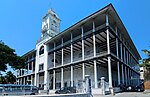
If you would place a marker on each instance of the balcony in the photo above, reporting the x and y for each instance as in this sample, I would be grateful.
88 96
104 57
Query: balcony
43 38
44 29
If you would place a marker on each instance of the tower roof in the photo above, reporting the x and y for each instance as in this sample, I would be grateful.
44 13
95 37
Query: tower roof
51 12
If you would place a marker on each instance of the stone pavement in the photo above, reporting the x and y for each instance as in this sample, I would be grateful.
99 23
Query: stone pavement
126 94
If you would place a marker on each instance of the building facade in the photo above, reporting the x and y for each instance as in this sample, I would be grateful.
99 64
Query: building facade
98 45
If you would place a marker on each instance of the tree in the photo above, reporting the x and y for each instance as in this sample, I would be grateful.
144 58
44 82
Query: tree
8 56
10 78
2 80
146 65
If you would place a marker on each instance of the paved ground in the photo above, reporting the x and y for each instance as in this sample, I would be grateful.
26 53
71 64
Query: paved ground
127 94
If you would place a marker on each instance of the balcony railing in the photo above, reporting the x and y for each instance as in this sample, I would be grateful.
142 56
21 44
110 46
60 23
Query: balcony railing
43 38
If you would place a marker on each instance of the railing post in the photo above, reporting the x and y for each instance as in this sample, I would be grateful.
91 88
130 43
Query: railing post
103 85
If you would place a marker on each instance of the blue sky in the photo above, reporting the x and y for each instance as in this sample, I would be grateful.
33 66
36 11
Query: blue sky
20 20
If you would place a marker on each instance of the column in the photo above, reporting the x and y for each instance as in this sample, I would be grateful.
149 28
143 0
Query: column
62 77
20 72
71 76
62 71
20 81
46 68
54 75
35 79
31 79
122 63
83 67
27 81
54 80
54 55
94 50
38 79
122 73
71 62
129 76
24 80
109 58
32 67
28 69
71 50
124 55
118 67
109 72
127 57
126 74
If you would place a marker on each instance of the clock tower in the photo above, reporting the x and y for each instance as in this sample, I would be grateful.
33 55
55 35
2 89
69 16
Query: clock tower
50 24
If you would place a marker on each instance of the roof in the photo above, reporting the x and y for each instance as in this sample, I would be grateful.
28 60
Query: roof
109 8
29 52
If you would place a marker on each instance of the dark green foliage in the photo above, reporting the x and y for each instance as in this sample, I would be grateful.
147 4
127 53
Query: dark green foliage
146 65
8 56
2 80
146 61
9 78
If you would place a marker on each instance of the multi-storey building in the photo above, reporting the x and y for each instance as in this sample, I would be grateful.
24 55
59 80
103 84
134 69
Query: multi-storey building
98 45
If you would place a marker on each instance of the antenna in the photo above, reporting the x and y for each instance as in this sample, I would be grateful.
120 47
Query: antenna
50 5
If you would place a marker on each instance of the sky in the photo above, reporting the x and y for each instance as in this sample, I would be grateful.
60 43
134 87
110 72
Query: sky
20 20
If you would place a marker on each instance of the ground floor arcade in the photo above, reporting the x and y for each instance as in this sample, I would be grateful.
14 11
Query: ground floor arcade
114 71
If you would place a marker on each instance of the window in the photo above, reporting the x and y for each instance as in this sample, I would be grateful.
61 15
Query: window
41 67
141 70
88 52
55 60
41 50
54 25
80 55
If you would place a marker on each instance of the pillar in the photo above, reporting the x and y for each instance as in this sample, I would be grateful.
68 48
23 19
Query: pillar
109 58
54 55
122 63
71 62
127 58
31 79
124 55
62 77
20 81
28 69
54 80
62 63
118 67
129 76
38 79
71 76
83 65
94 50
122 73
46 84
126 75
24 82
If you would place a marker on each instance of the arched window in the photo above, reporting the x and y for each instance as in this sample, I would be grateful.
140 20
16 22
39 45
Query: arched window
41 50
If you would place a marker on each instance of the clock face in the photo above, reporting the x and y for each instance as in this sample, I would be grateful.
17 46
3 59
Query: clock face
45 26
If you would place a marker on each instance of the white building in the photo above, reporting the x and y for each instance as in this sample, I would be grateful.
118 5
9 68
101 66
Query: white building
142 73
98 45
